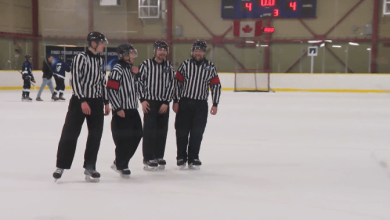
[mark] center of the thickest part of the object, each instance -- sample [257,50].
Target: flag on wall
[247,28]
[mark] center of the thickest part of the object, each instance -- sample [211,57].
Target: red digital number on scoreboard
[269,30]
[293,5]
[267,3]
[276,12]
[248,6]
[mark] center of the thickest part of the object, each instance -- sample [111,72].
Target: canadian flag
[247,28]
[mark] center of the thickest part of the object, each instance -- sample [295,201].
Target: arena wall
[70,19]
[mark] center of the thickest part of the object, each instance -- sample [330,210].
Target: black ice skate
[150,165]
[92,176]
[161,163]
[61,98]
[58,173]
[54,97]
[26,99]
[125,173]
[181,163]
[195,164]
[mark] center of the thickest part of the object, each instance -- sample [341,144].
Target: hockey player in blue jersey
[27,77]
[59,76]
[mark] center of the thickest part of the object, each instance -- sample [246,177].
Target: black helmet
[124,49]
[199,44]
[27,57]
[160,44]
[96,37]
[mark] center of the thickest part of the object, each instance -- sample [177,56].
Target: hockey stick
[58,75]
[32,83]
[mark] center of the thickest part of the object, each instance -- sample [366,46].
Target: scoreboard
[241,9]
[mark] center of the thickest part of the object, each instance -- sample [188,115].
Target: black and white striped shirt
[194,79]
[88,79]
[156,81]
[122,87]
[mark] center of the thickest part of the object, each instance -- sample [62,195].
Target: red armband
[214,81]
[179,77]
[113,84]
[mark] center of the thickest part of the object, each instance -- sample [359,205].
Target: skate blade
[192,167]
[125,176]
[113,167]
[91,179]
[161,167]
[148,168]
[182,167]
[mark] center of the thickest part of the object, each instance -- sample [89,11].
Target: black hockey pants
[71,131]
[127,133]
[155,131]
[190,124]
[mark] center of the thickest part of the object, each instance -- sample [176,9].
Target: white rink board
[14,78]
[331,81]
[353,82]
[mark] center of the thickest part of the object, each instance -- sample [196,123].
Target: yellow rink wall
[291,82]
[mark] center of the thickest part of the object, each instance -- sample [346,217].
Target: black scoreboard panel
[241,9]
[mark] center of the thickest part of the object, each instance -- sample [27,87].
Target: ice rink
[269,156]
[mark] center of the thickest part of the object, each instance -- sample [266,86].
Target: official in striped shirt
[195,77]
[126,125]
[156,88]
[89,101]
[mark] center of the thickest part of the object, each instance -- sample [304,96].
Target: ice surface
[265,156]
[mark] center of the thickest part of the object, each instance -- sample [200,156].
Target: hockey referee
[89,101]
[195,77]
[156,84]
[126,124]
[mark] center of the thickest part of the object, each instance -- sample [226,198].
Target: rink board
[358,83]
